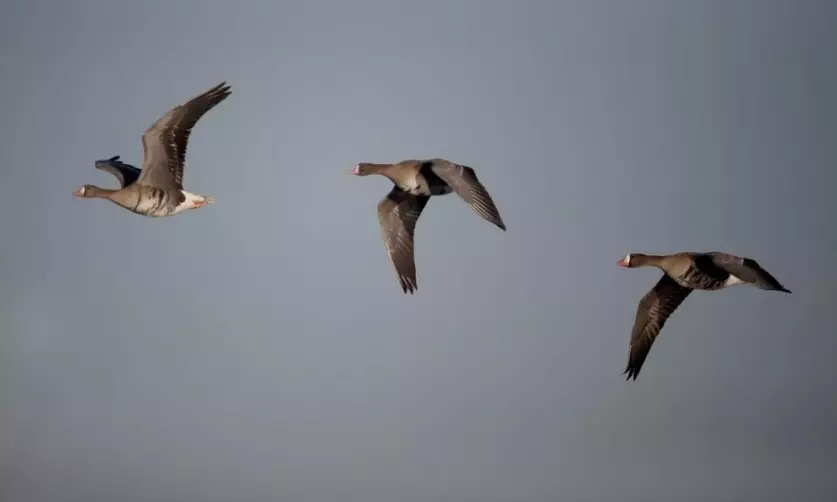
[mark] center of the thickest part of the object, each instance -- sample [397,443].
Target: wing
[164,143]
[748,270]
[465,183]
[125,173]
[398,213]
[651,315]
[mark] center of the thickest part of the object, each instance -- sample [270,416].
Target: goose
[156,190]
[414,182]
[682,274]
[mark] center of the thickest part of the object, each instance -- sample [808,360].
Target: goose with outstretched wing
[156,190]
[682,274]
[414,183]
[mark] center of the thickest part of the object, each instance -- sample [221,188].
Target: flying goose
[683,273]
[414,182]
[157,189]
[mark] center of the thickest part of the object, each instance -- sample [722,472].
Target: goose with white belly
[157,189]
[682,274]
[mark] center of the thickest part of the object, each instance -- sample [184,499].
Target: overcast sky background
[260,349]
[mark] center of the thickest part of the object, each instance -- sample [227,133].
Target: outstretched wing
[398,213]
[125,173]
[465,183]
[164,143]
[651,315]
[748,270]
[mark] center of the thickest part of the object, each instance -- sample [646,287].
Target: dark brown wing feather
[651,315]
[748,270]
[125,173]
[398,213]
[465,183]
[164,143]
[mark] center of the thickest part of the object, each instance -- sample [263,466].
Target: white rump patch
[732,281]
[188,202]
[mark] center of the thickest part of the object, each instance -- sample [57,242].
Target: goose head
[628,261]
[82,191]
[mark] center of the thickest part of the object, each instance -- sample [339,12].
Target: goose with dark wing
[157,189]
[682,274]
[414,182]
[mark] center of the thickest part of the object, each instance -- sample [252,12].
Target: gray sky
[260,349]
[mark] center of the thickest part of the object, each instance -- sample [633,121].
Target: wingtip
[496,221]
[223,89]
[408,288]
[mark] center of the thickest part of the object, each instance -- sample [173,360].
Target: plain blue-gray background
[260,349]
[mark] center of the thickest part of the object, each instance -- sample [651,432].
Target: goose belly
[155,202]
[696,279]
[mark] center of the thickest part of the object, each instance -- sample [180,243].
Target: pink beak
[622,263]
[356,170]
[77,192]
